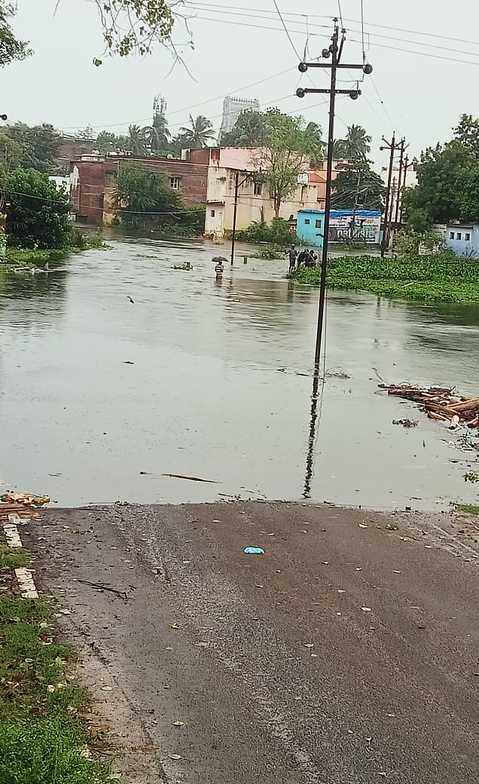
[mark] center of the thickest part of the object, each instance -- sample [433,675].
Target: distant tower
[159,106]
[232,108]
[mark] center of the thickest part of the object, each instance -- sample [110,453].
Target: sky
[420,97]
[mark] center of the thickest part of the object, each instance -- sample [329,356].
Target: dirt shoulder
[346,652]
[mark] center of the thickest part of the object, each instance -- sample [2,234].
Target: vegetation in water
[437,278]
[276,233]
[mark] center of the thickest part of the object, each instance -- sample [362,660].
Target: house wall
[310,226]
[463,239]
[95,183]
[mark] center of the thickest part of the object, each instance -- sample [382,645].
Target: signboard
[344,228]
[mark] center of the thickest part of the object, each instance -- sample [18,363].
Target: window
[467,237]
[318,223]
[213,213]
[175,183]
[459,235]
[451,235]
[307,221]
[258,187]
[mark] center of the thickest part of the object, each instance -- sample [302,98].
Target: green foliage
[408,243]
[11,153]
[13,558]
[250,130]
[277,233]
[287,150]
[471,476]
[38,144]
[356,146]
[470,509]
[198,133]
[11,49]
[145,198]
[37,212]
[467,133]
[132,26]
[270,252]
[359,186]
[41,737]
[437,278]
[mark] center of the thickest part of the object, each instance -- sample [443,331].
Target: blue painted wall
[310,225]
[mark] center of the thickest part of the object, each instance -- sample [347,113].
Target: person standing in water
[292,255]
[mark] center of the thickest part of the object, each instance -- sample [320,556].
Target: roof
[344,213]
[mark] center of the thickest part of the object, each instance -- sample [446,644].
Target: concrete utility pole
[403,147]
[334,51]
[407,165]
[391,146]
[235,208]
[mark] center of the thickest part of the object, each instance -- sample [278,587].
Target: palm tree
[199,132]
[137,140]
[355,147]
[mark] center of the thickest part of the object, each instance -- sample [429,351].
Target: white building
[232,108]
[254,200]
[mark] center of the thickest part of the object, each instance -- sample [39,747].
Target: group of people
[296,258]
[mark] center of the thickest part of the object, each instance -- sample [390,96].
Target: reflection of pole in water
[312,437]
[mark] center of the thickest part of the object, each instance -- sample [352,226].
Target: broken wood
[441,403]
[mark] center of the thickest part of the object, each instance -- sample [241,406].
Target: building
[207,177]
[94,181]
[232,108]
[344,226]
[254,202]
[462,238]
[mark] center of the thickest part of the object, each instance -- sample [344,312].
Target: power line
[287,31]
[340,13]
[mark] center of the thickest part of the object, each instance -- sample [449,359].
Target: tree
[249,130]
[106,142]
[11,153]
[11,48]
[287,150]
[198,133]
[355,147]
[358,186]
[143,196]
[467,133]
[132,26]
[37,212]
[137,139]
[39,143]
[444,176]
[158,134]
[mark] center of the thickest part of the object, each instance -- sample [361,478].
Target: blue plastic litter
[253,551]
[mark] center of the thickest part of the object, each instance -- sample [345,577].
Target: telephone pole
[407,165]
[235,208]
[403,147]
[391,146]
[334,51]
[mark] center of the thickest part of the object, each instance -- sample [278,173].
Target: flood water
[220,385]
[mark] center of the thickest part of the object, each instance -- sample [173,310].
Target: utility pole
[233,236]
[407,165]
[335,51]
[403,147]
[391,146]
[238,185]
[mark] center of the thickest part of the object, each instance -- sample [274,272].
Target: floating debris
[405,422]
[440,403]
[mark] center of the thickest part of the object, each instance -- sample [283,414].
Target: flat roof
[343,213]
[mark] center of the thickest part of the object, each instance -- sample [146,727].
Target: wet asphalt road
[345,654]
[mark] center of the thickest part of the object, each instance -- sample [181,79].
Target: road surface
[346,654]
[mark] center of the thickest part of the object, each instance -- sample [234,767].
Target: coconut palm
[355,147]
[198,133]
[137,139]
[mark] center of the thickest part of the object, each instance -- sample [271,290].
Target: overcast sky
[423,97]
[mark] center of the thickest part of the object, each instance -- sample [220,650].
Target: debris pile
[440,403]
[22,504]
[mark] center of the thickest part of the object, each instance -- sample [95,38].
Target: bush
[277,233]
[37,212]
[409,243]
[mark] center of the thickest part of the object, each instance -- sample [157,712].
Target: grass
[470,509]
[423,278]
[12,558]
[43,736]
